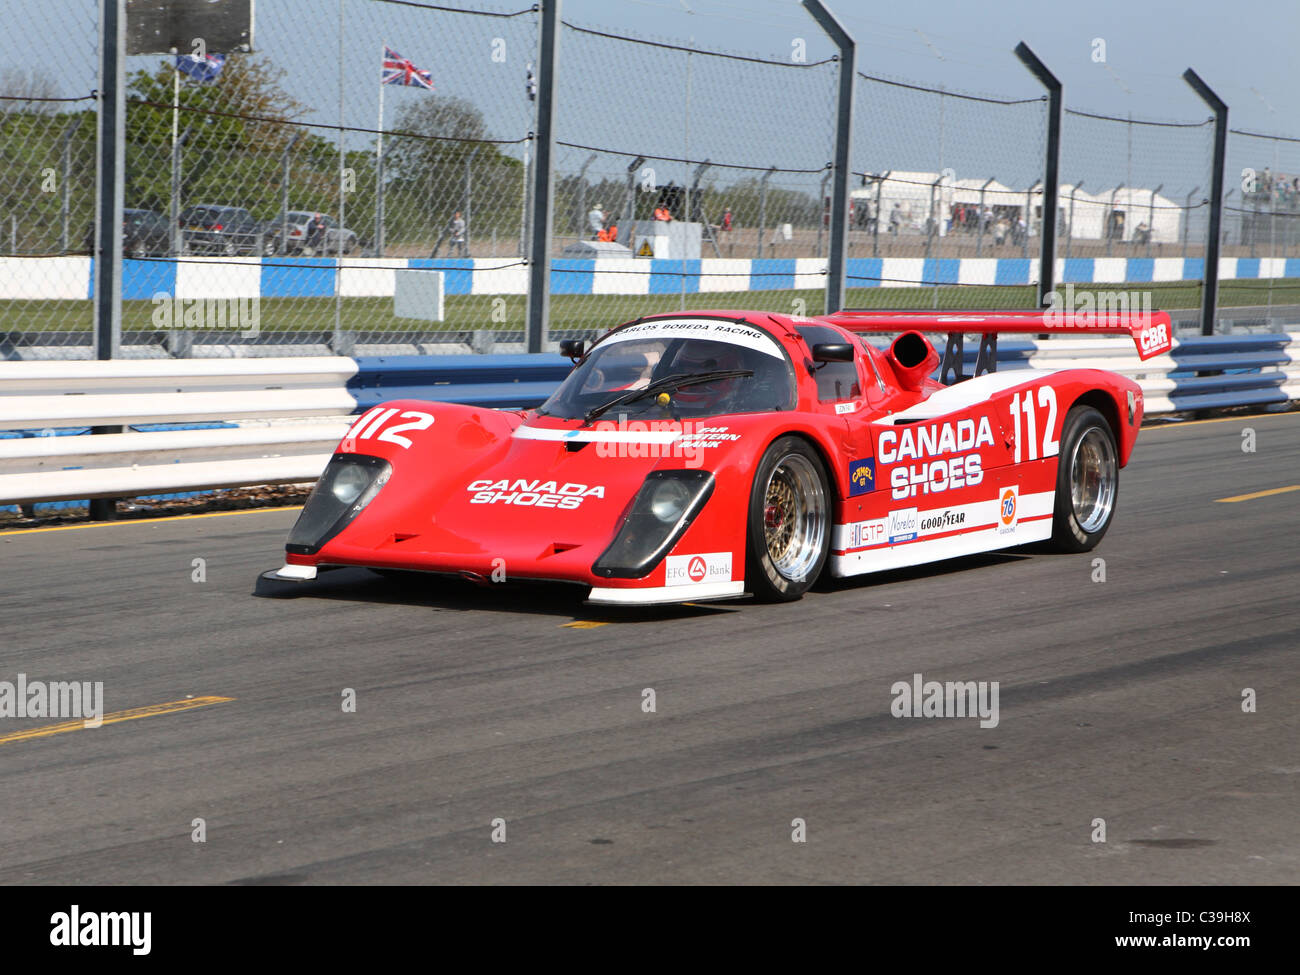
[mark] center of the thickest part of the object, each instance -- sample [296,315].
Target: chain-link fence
[944,186]
[668,194]
[1261,223]
[294,198]
[47,180]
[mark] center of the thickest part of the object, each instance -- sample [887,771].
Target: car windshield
[628,361]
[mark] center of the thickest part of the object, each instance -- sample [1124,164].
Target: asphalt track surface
[1119,700]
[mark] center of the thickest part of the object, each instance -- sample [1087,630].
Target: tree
[238,128]
[435,142]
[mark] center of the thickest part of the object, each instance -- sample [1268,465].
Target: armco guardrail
[292,411]
[500,381]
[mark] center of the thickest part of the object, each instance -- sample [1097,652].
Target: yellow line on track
[584,624]
[171,707]
[147,521]
[1257,494]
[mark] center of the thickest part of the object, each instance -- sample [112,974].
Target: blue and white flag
[203,69]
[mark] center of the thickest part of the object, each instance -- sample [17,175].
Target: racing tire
[789,526]
[1087,481]
[139,250]
[268,246]
[229,249]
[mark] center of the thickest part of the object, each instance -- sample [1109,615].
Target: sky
[630,97]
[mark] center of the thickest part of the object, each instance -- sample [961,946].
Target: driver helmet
[707,356]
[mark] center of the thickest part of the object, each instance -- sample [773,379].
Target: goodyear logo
[862,476]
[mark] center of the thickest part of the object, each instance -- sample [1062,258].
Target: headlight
[661,512]
[349,483]
[668,500]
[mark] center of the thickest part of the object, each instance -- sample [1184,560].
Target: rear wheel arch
[1103,403]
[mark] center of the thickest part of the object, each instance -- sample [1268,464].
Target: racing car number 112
[370,423]
[1047,399]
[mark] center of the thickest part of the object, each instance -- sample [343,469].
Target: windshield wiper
[668,382]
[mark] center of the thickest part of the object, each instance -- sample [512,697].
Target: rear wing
[1152,332]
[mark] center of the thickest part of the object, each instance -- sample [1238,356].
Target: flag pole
[175,238]
[379,160]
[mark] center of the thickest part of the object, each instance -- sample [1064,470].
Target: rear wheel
[789,528]
[1087,481]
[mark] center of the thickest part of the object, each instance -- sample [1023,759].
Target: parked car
[145,233]
[213,229]
[300,239]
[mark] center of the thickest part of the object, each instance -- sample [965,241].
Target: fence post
[875,235]
[579,223]
[630,202]
[539,258]
[1051,170]
[1210,292]
[762,209]
[839,229]
[1187,219]
[285,201]
[110,150]
[65,187]
[110,166]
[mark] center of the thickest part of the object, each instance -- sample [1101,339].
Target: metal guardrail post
[839,229]
[1051,172]
[539,258]
[1210,292]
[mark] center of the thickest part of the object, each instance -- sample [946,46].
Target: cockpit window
[621,366]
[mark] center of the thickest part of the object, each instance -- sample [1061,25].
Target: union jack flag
[402,71]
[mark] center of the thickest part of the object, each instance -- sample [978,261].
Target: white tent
[1128,208]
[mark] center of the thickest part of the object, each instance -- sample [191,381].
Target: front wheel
[1087,481]
[789,529]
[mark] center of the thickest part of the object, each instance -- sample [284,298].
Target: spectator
[661,213]
[457,228]
[596,221]
[1000,231]
[315,234]
[895,219]
[726,221]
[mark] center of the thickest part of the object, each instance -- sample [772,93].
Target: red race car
[713,454]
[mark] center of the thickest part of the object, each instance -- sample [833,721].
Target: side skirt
[867,547]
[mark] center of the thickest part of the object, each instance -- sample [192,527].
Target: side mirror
[832,352]
[573,348]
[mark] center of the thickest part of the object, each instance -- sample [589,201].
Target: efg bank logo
[103,929]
